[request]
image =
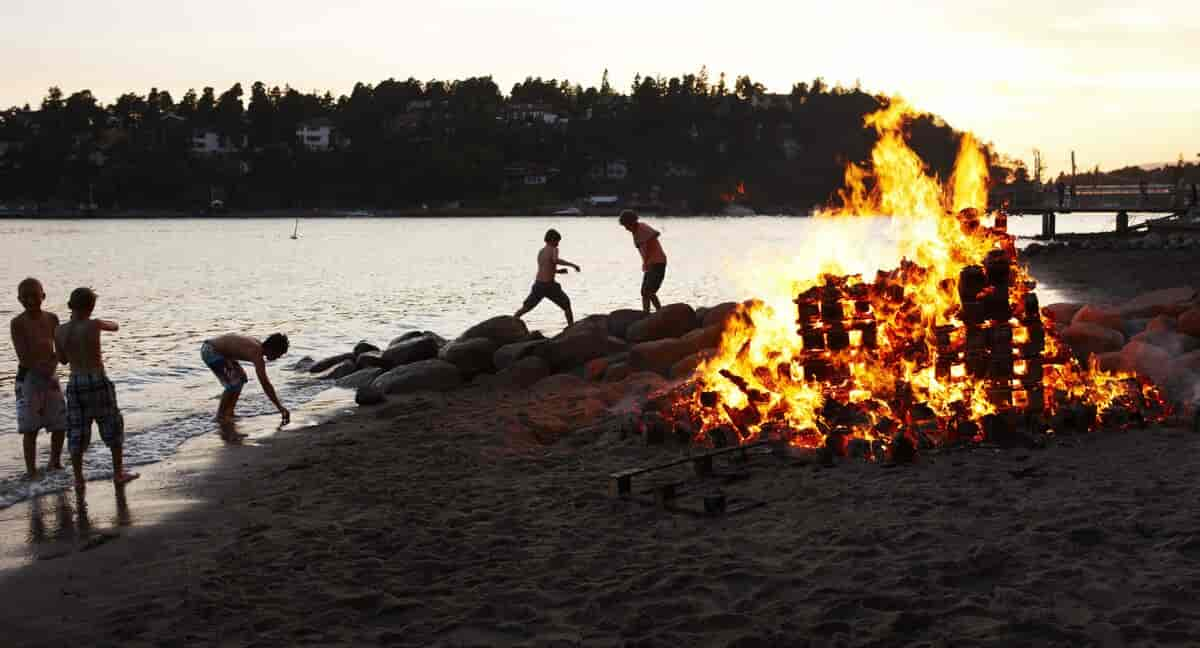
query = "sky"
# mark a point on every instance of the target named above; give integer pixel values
(1115, 82)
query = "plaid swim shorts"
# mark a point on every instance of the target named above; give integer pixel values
(92, 397)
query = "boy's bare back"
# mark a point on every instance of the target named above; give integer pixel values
(79, 343)
(34, 339)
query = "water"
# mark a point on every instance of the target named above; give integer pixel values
(171, 284)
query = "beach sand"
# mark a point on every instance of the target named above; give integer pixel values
(446, 520)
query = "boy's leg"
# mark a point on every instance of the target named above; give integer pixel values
(77, 442)
(112, 432)
(234, 395)
(120, 477)
(534, 298)
(560, 299)
(654, 300)
(225, 409)
(29, 444)
(56, 446)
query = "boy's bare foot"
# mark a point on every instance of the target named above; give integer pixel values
(54, 466)
(124, 478)
(80, 487)
(32, 475)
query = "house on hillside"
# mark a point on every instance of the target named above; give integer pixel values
(536, 113)
(210, 142)
(528, 175)
(320, 135)
(615, 170)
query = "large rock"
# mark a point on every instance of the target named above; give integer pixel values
(369, 395)
(1101, 315)
(617, 372)
(567, 351)
(619, 321)
(1149, 361)
(471, 355)
(302, 364)
(341, 370)
(717, 315)
(708, 337)
(588, 325)
(1189, 321)
(414, 349)
(411, 335)
(1086, 338)
(359, 378)
(686, 366)
(506, 355)
(369, 359)
(594, 370)
(321, 366)
(671, 321)
(363, 347)
(524, 372)
(1061, 313)
(1169, 301)
(658, 355)
(502, 329)
(424, 375)
(1169, 341)
(559, 384)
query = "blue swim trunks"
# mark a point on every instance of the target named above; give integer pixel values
(228, 372)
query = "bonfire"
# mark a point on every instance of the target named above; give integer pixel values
(948, 346)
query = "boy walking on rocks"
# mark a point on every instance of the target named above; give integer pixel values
(39, 396)
(654, 259)
(544, 286)
(91, 396)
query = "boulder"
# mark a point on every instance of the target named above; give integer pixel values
(658, 355)
(471, 355)
(510, 353)
(431, 374)
(1112, 362)
(1134, 326)
(617, 372)
(1169, 301)
(369, 395)
(619, 321)
(368, 359)
(567, 351)
(594, 370)
(717, 315)
(502, 329)
(708, 337)
(360, 378)
(408, 336)
(524, 372)
(321, 366)
(363, 347)
(1169, 341)
(1086, 338)
(1162, 324)
(1189, 321)
(1032, 250)
(414, 349)
(1190, 360)
(1061, 312)
(1148, 360)
(340, 370)
(588, 326)
(302, 364)
(671, 321)
(1101, 315)
(686, 366)
(558, 384)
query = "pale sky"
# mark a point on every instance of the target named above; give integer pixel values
(1119, 83)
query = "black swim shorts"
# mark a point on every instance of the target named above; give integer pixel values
(653, 277)
(551, 290)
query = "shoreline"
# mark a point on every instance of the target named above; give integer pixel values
(448, 519)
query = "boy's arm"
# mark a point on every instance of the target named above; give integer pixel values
(60, 349)
(260, 368)
(564, 262)
(18, 340)
(107, 325)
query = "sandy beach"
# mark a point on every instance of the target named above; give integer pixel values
(483, 517)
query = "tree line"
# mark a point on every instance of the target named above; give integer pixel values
(687, 142)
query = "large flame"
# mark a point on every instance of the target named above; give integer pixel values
(931, 231)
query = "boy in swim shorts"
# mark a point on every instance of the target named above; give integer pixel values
(40, 401)
(221, 355)
(91, 396)
(654, 259)
(544, 285)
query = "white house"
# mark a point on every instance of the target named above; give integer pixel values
(610, 170)
(210, 142)
(317, 134)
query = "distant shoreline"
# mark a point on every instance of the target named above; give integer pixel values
(382, 213)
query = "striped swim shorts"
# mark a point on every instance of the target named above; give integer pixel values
(92, 397)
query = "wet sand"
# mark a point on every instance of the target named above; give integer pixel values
(446, 521)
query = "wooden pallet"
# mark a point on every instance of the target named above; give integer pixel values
(621, 482)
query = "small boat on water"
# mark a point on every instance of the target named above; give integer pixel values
(296, 231)
(569, 211)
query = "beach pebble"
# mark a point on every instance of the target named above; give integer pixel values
(508, 354)
(671, 321)
(369, 395)
(502, 329)
(620, 320)
(414, 349)
(359, 378)
(321, 366)
(471, 355)
(1086, 338)
(424, 375)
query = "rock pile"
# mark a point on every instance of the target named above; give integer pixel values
(1151, 241)
(1156, 334)
(502, 352)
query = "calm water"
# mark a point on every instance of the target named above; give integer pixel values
(173, 283)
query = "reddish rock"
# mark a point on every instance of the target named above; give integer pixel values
(1169, 341)
(508, 354)
(1086, 339)
(568, 351)
(619, 321)
(503, 329)
(672, 321)
(708, 337)
(1102, 315)
(1112, 362)
(717, 315)
(658, 355)
(1189, 321)
(524, 372)
(685, 367)
(594, 370)
(617, 372)
(1149, 361)
(558, 384)
(1162, 324)
(1170, 301)
(471, 355)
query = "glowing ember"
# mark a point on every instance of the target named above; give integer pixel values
(948, 346)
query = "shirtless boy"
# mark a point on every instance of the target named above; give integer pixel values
(544, 285)
(221, 355)
(90, 394)
(39, 396)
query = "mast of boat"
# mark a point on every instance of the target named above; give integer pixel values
(296, 231)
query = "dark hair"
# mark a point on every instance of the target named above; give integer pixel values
(552, 235)
(275, 342)
(82, 299)
(628, 217)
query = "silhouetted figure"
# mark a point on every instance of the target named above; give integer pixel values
(1073, 195)
(1195, 195)
(1144, 191)
(1062, 193)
